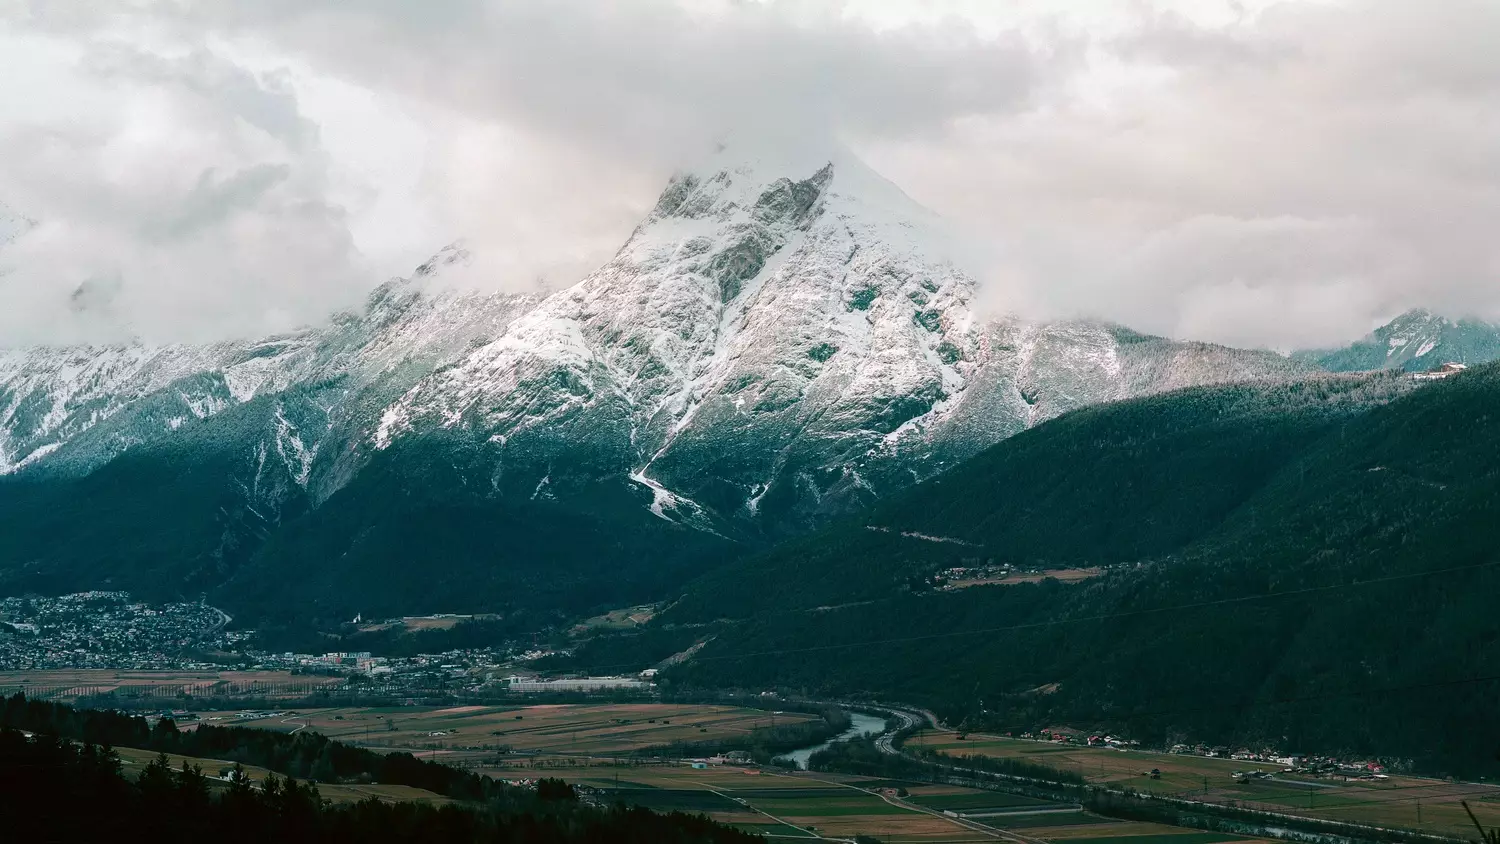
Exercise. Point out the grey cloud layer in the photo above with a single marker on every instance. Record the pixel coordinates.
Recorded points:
(195, 210)
(1286, 180)
(650, 71)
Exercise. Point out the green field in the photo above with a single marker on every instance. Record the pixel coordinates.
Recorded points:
(1041, 820)
(675, 799)
(837, 806)
(1167, 838)
(978, 800)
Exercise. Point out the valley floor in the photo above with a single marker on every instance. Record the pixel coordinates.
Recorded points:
(609, 747)
(1428, 805)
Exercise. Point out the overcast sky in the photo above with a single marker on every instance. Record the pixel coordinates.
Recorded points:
(1253, 173)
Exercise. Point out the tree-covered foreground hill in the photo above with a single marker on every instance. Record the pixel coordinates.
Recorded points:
(61, 782)
(1310, 566)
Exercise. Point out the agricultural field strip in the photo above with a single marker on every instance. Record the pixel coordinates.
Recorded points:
(1165, 838)
(753, 808)
(782, 798)
(985, 800)
(778, 796)
(558, 729)
(969, 825)
(1392, 803)
(805, 799)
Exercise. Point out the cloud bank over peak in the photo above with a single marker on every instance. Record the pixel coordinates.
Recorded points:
(190, 204)
(1275, 174)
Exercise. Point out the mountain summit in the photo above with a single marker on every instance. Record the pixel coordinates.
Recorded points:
(782, 341)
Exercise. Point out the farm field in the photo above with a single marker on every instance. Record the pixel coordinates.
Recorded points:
(1140, 834)
(819, 805)
(134, 761)
(588, 745)
(68, 683)
(1392, 802)
(779, 804)
(580, 729)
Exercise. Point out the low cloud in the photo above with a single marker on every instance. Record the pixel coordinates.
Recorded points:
(1286, 181)
(1281, 176)
(194, 208)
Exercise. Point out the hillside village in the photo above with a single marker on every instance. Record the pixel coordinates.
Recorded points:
(109, 630)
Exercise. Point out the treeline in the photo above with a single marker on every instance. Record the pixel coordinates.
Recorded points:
(56, 790)
(396, 641)
(305, 754)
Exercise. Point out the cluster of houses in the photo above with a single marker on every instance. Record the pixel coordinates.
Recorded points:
(1292, 763)
(1061, 736)
(358, 661)
(106, 630)
(1439, 372)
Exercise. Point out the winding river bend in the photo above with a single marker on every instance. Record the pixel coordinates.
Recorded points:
(860, 723)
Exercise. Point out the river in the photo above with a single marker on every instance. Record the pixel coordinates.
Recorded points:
(860, 723)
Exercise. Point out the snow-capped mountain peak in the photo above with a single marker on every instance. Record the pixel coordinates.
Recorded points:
(782, 326)
(780, 337)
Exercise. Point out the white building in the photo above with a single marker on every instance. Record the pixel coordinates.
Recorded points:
(583, 684)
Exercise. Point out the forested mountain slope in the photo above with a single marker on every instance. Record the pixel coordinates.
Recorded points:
(1114, 483)
(1316, 574)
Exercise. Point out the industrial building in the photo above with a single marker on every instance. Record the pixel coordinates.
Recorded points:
(582, 684)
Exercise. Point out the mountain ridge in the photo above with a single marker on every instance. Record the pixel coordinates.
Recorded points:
(1415, 341)
(770, 348)
(1308, 564)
